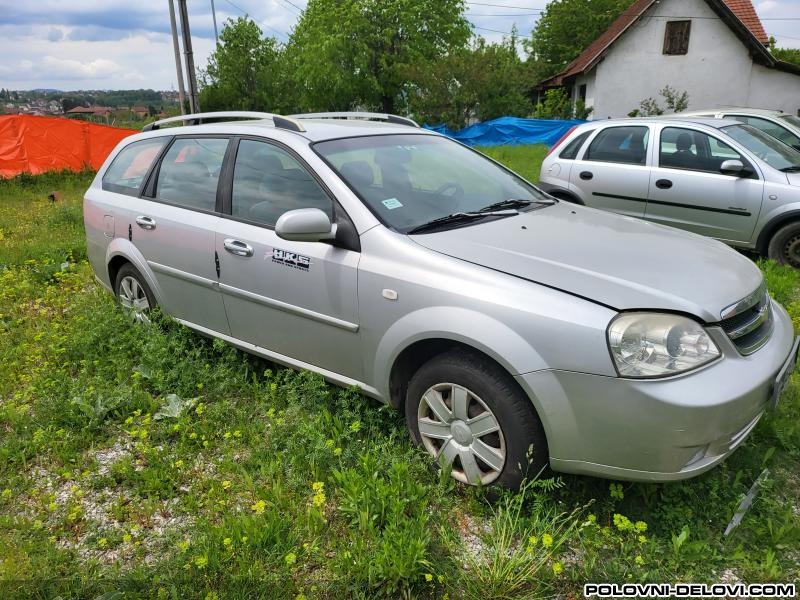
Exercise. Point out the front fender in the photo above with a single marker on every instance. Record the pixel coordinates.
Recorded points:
(124, 248)
(773, 219)
(488, 335)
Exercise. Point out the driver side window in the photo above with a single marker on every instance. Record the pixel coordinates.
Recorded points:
(694, 150)
(268, 181)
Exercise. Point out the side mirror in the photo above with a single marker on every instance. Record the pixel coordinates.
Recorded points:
(305, 225)
(732, 167)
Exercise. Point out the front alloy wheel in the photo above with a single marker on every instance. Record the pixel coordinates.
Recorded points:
(458, 429)
(475, 421)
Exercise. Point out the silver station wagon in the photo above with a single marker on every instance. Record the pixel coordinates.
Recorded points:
(513, 330)
(716, 177)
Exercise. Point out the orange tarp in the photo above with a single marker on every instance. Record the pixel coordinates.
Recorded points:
(34, 145)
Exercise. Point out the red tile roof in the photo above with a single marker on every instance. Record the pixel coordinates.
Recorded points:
(742, 9)
(747, 15)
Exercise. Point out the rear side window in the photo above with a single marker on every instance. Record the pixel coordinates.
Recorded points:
(189, 172)
(620, 145)
(571, 151)
(131, 165)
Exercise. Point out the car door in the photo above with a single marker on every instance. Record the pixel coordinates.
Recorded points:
(173, 225)
(688, 190)
(770, 127)
(613, 173)
(296, 299)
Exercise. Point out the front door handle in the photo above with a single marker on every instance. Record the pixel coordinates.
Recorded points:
(663, 184)
(145, 222)
(586, 175)
(238, 247)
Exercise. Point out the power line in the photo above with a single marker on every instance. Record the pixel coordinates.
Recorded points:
(247, 14)
(503, 6)
(503, 15)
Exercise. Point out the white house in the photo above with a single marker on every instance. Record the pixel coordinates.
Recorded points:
(716, 50)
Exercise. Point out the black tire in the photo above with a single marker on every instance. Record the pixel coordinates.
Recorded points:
(784, 246)
(520, 435)
(123, 288)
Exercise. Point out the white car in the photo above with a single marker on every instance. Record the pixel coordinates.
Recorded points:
(780, 125)
(716, 177)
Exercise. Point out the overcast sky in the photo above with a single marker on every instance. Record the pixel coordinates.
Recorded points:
(106, 44)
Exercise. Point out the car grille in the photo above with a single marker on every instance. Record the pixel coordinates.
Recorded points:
(749, 322)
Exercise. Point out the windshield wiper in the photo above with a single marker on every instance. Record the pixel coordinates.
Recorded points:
(791, 169)
(462, 216)
(516, 203)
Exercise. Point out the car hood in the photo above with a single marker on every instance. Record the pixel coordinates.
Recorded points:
(621, 262)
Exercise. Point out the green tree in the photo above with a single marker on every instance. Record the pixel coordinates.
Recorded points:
(245, 72)
(483, 81)
(791, 55)
(565, 28)
(348, 54)
(556, 105)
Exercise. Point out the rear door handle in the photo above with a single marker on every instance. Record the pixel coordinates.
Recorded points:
(586, 175)
(145, 222)
(663, 184)
(238, 247)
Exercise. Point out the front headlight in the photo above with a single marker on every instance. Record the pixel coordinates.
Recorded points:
(658, 345)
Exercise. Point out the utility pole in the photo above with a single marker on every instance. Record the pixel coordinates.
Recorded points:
(191, 77)
(214, 16)
(177, 47)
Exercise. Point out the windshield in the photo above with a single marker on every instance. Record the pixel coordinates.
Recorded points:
(773, 152)
(791, 119)
(410, 179)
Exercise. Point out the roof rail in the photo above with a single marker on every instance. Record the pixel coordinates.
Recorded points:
(197, 118)
(360, 115)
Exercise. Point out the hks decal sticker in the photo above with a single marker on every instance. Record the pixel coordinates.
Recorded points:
(291, 259)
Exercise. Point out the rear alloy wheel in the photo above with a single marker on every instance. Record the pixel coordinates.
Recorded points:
(473, 419)
(784, 247)
(133, 294)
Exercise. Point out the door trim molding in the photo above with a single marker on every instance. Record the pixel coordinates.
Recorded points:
(289, 308)
(177, 273)
(725, 211)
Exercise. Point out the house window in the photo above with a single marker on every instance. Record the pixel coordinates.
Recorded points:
(676, 37)
(582, 92)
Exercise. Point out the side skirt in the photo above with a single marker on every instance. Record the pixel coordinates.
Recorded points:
(287, 361)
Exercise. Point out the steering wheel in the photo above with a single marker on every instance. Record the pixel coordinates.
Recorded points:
(449, 191)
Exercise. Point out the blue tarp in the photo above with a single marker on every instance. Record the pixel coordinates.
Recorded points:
(509, 131)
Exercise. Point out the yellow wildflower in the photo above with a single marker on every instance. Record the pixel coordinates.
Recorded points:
(226, 484)
(227, 542)
(428, 577)
(102, 543)
(639, 561)
(547, 540)
(259, 507)
(201, 561)
(290, 558)
(558, 568)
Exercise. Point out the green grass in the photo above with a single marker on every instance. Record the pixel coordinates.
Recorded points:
(156, 462)
(524, 160)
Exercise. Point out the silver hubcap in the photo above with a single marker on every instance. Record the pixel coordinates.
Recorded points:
(460, 431)
(133, 299)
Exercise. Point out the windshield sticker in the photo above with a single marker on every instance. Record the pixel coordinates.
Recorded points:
(392, 203)
(291, 259)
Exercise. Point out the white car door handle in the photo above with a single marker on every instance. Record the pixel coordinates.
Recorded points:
(238, 247)
(145, 222)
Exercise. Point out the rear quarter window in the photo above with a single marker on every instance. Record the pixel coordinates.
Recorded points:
(573, 147)
(129, 168)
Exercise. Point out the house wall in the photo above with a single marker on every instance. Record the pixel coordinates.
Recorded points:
(717, 70)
